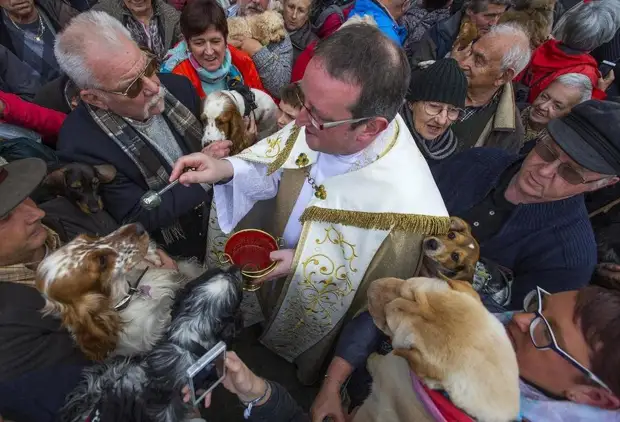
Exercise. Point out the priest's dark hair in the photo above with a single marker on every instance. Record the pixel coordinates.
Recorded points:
(360, 54)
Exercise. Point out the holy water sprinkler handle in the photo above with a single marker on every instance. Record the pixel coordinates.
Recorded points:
(152, 199)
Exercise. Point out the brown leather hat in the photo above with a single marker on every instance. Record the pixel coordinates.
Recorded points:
(17, 181)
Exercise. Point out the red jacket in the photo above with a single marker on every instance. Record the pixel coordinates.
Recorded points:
(299, 67)
(42, 120)
(240, 60)
(549, 61)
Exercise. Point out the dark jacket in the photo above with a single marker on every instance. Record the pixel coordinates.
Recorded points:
(280, 407)
(550, 245)
(57, 11)
(168, 18)
(417, 20)
(437, 42)
(39, 362)
(16, 77)
(82, 140)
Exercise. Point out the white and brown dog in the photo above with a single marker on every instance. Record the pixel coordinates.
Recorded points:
(223, 113)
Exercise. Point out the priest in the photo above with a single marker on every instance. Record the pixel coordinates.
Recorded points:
(344, 187)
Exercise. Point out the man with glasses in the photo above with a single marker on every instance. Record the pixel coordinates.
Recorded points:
(529, 214)
(353, 195)
(139, 121)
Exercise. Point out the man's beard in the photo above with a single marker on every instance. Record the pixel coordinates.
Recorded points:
(253, 8)
(153, 102)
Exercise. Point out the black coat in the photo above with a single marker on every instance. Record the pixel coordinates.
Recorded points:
(82, 140)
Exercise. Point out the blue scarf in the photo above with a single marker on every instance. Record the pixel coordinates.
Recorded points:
(221, 79)
(537, 407)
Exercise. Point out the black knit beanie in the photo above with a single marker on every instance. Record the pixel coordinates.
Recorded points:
(443, 82)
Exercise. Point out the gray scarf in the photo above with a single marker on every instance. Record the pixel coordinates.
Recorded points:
(435, 149)
(301, 38)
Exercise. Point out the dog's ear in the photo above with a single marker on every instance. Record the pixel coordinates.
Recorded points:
(94, 325)
(237, 133)
(56, 178)
(458, 225)
(464, 287)
(105, 172)
(380, 293)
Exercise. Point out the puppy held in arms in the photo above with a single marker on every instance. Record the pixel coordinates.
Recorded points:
(224, 114)
(451, 256)
(449, 341)
(104, 294)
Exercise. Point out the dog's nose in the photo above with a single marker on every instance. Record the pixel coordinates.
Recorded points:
(140, 230)
(431, 244)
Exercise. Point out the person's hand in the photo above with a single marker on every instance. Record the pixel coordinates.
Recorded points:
(207, 169)
(605, 83)
(187, 396)
(241, 381)
(251, 130)
(460, 54)
(247, 44)
(284, 262)
(218, 149)
(166, 261)
(328, 403)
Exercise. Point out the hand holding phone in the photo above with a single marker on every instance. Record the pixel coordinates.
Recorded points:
(207, 373)
(605, 67)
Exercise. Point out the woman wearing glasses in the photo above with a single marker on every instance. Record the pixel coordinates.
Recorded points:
(434, 103)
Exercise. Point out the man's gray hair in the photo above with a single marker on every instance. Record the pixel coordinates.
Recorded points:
(518, 56)
(589, 25)
(479, 6)
(376, 64)
(579, 81)
(86, 32)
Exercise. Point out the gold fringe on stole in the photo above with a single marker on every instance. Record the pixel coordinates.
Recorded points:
(286, 151)
(424, 224)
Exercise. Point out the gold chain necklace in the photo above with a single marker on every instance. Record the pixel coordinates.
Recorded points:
(319, 190)
(41, 30)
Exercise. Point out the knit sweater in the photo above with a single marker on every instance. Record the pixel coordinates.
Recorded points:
(274, 63)
(549, 244)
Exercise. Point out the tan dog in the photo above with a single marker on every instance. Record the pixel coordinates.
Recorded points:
(452, 256)
(266, 27)
(536, 17)
(450, 341)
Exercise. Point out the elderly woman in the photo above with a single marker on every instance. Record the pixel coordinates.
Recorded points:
(204, 57)
(554, 102)
(434, 102)
(580, 30)
(153, 24)
(297, 24)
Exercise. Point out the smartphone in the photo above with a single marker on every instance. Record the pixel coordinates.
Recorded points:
(207, 372)
(605, 67)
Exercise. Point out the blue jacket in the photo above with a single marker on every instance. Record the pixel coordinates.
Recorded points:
(550, 244)
(385, 23)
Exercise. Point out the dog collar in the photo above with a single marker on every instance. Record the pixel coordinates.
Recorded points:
(124, 302)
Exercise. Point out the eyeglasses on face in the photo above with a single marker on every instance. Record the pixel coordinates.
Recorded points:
(433, 109)
(327, 125)
(137, 85)
(548, 154)
(543, 337)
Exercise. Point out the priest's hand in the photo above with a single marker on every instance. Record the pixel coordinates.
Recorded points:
(284, 262)
(206, 169)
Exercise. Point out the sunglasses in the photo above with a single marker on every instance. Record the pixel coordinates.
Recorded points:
(327, 125)
(543, 337)
(137, 85)
(565, 170)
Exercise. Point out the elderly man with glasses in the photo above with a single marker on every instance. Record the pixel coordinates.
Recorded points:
(352, 195)
(528, 214)
(137, 120)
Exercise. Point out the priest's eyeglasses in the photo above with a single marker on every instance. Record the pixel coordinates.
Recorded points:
(542, 334)
(328, 125)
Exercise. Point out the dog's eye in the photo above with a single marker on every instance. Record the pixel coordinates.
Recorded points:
(451, 235)
(455, 257)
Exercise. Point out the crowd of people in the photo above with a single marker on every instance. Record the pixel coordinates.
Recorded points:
(393, 115)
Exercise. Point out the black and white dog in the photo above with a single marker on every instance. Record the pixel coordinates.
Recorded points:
(148, 388)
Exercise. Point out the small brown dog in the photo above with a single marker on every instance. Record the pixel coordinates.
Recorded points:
(453, 256)
(266, 27)
(450, 341)
(536, 17)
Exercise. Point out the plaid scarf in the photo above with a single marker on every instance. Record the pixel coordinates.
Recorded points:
(25, 273)
(149, 37)
(530, 133)
(152, 169)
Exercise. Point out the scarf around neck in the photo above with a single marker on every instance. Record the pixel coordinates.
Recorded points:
(303, 36)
